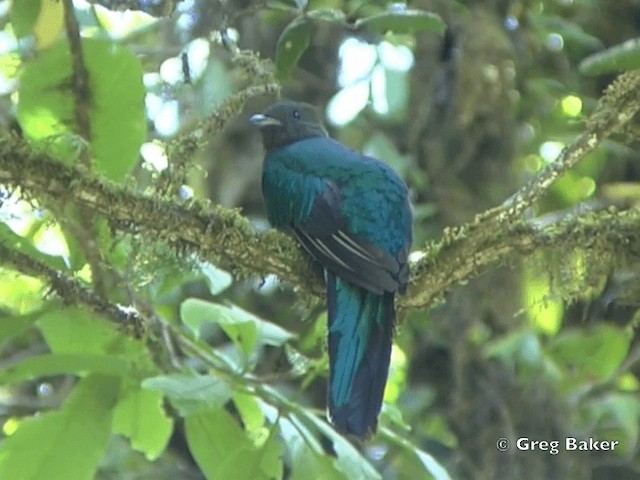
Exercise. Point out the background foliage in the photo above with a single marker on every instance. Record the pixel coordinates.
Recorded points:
(144, 332)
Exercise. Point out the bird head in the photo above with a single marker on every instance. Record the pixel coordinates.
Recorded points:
(287, 122)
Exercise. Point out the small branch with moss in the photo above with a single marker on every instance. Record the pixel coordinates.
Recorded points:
(71, 291)
(181, 151)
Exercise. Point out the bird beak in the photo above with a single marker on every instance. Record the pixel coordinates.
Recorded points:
(260, 120)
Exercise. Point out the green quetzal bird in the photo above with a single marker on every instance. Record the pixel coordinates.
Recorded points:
(351, 213)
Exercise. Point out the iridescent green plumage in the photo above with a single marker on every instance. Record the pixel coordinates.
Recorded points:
(351, 213)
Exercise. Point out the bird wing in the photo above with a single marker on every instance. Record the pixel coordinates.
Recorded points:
(302, 197)
(324, 235)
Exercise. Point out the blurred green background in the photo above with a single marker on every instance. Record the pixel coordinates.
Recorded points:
(467, 100)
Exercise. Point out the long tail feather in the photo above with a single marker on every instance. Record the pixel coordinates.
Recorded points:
(360, 335)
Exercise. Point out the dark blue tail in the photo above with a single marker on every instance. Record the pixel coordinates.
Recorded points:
(360, 334)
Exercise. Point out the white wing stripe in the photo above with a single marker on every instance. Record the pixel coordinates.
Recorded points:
(352, 247)
(324, 249)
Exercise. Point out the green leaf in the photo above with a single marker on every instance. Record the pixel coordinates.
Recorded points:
(14, 326)
(591, 356)
(21, 294)
(517, 347)
(212, 436)
(77, 330)
(217, 279)
(402, 21)
(618, 58)
(47, 105)
(242, 331)
(269, 457)
(262, 463)
(118, 120)
(291, 45)
(349, 460)
(570, 31)
(140, 416)
(245, 329)
(272, 334)
(240, 328)
(24, 14)
(307, 454)
(250, 412)
(333, 15)
(67, 444)
(431, 465)
(189, 393)
(222, 449)
(57, 364)
(544, 311)
(22, 245)
(618, 417)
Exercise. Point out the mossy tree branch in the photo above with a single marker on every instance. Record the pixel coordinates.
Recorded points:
(458, 258)
(227, 238)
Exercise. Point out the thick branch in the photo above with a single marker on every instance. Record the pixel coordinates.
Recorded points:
(228, 239)
(457, 259)
(217, 234)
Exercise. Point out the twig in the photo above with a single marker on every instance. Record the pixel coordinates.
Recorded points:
(80, 80)
(82, 225)
(456, 260)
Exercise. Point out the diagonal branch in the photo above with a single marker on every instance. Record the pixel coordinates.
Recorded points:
(68, 289)
(619, 104)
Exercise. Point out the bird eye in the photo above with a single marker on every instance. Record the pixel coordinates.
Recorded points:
(296, 114)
